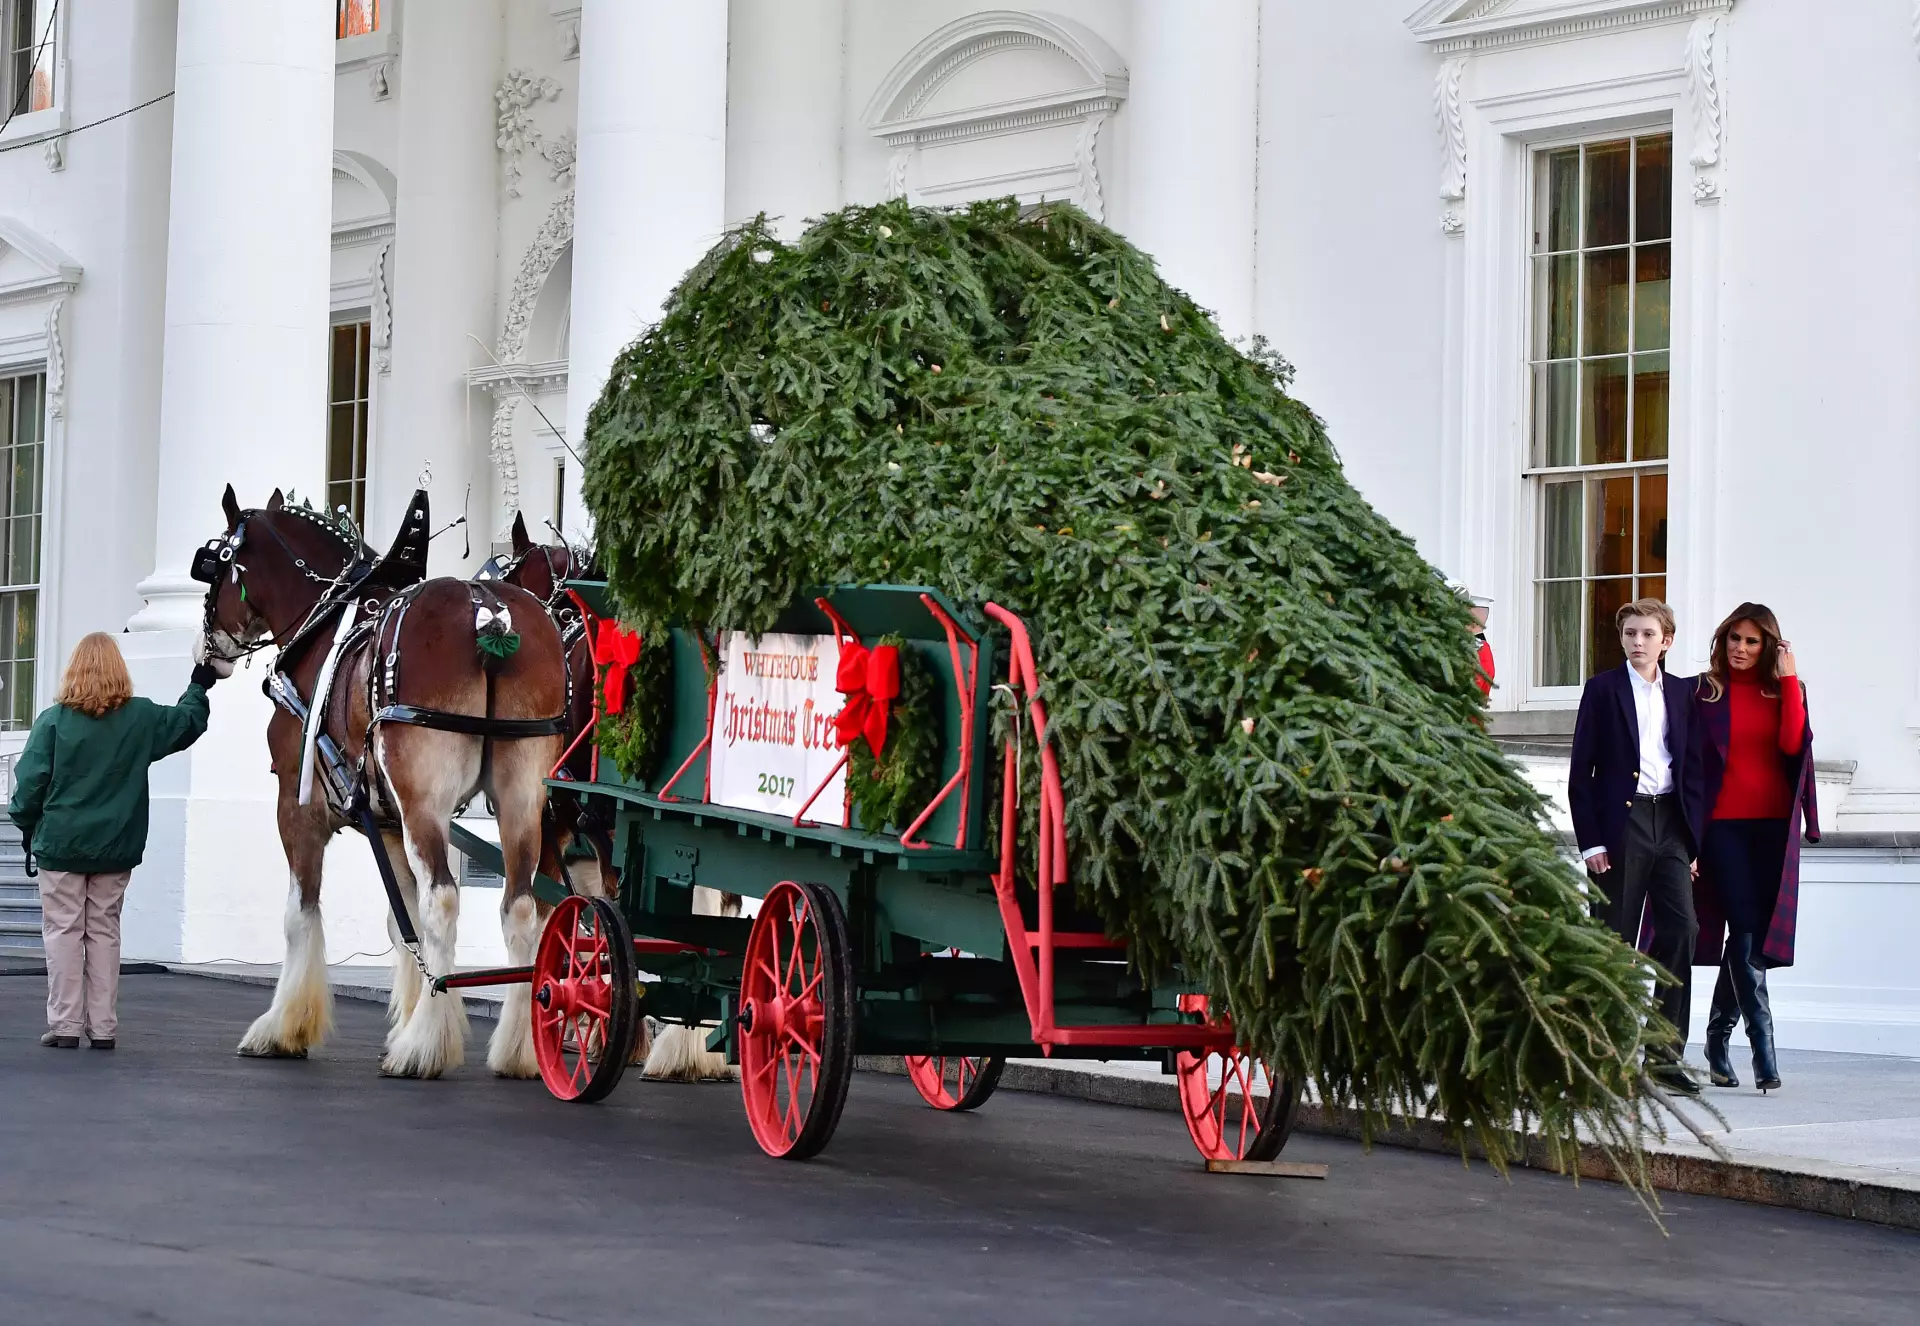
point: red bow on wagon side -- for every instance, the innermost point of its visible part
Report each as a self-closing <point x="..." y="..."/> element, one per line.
<point x="616" y="650"/>
<point x="870" y="679"/>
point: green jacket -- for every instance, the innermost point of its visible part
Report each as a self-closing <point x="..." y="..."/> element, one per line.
<point x="80" y="786"/>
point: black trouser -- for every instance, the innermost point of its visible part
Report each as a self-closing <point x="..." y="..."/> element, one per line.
<point x="1656" y="871"/>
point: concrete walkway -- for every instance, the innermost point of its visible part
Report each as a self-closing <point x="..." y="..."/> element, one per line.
<point x="1842" y="1137"/>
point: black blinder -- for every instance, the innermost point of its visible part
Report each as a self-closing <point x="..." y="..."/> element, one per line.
<point x="206" y="565"/>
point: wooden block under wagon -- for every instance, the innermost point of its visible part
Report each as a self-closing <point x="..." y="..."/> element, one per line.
<point x="1273" y="1169"/>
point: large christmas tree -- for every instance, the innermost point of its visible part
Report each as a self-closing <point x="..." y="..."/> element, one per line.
<point x="1262" y="697"/>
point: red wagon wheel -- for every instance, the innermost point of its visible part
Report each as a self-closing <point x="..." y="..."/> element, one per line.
<point x="961" y="1082"/>
<point x="1224" y="1117"/>
<point x="796" y="1020"/>
<point x="584" y="1011"/>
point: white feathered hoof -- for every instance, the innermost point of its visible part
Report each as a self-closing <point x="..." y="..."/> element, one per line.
<point x="289" y="1029"/>
<point x="643" y="1043"/>
<point x="680" y="1054"/>
<point x="433" y="1041"/>
<point x="510" y="1052"/>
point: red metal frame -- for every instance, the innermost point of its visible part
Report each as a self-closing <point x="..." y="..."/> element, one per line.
<point x="1024" y="945"/>
<point x="590" y="621"/>
<point x="841" y="631"/>
<point x="963" y="683"/>
<point x="713" y="694"/>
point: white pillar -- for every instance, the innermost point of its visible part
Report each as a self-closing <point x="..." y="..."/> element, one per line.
<point x="785" y="74"/>
<point x="1192" y="115"/>
<point x="651" y="170"/>
<point x="444" y="280"/>
<point x="244" y="379"/>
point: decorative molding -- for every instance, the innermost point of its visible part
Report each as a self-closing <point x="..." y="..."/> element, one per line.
<point x="1092" y="199"/>
<point x="558" y="153"/>
<point x="55" y="154"/>
<point x="1705" y="92"/>
<point x="380" y="78"/>
<point x="509" y="375"/>
<point x="566" y="19"/>
<point x="56" y="274"/>
<point x="515" y="96"/>
<point x="1451" y="118"/>
<point x="510" y="379"/>
<point x="1450" y="26"/>
<point x="897" y="113"/>
<point x="56" y="359"/>
<point x="348" y="237"/>
<point x="380" y="306"/>
<point x="1453" y="221"/>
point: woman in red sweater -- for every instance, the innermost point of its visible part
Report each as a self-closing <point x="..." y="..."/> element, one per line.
<point x="1759" y="765"/>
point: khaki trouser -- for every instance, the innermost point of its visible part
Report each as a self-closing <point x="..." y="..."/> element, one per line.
<point x="80" y="922"/>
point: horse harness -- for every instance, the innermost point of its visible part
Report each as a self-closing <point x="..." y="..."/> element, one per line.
<point x="367" y="603"/>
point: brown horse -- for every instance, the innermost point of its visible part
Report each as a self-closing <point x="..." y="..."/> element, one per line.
<point x="419" y="718"/>
<point x="542" y="570"/>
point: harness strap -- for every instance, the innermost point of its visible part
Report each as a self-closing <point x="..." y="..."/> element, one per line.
<point x="363" y="818"/>
<point x="472" y="725"/>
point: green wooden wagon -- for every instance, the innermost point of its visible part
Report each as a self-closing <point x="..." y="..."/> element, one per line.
<point x="926" y="941"/>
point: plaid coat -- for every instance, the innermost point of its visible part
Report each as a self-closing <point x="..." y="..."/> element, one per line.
<point x="1713" y="728"/>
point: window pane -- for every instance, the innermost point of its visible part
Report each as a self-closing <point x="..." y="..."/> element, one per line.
<point x="1653" y="185"/>
<point x="1609" y="193"/>
<point x="1650" y="397"/>
<point x="1555" y="299"/>
<point x="343" y="359"/>
<point x="1608" y="296"/>
<point x="1653" y="587"/>
<point x="1603" y="412"/>
<point x="1555" y="412"/>
<point x="1561" y="523"/>
<point x="31" y="410"/>
<point x="24" y="496"/>
<point x="340" y="442"/>
<point x="1603" y="636"/>
<point x="1652" y="287"/>
<point x="1653" y="523"/>
<point x="1613" y="526"/>
<point x="1560" y="633"/>
<point x="1556" y="220"/>
<point x="356" y="18"/>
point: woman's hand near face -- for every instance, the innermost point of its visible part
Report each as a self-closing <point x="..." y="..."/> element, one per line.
<point x="1786" y="662"/>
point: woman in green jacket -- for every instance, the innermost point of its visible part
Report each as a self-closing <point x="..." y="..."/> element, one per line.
<point x="80" y="799"/>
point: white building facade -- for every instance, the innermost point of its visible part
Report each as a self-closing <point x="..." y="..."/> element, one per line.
<point x="1597" y="298"/>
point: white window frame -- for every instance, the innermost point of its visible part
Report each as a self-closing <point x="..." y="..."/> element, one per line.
<point x="1539" y="476"/>
<point x="1490" y="518"/>
<point x="32" y="126"/>
<point x="39" y="585"/>
<point x="377" y="48"/>
<point x="361" y="315"/>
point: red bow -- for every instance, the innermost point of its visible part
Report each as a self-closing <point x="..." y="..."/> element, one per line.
<point x="870" y="679"/>
<point x="616" y="650"/>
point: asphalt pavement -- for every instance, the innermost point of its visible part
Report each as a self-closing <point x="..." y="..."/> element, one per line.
<point x="170" y="1181"/>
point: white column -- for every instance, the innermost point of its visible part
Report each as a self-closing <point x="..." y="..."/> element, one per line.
<point x="1192" y="116"/>
<point x="445" y="241"/>
<point x="785" y="75"/>
<point x="651" y="171"/>
<point x="244" y="381"/>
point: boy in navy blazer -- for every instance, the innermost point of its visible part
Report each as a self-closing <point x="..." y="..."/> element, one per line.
<point x="1636" y="790"/>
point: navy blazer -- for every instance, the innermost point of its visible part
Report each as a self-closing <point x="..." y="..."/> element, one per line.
<point x="1606" y="760"/>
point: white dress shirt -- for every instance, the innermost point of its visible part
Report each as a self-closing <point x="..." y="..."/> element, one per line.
<point x="1656" y="759"/>
<point x="1650" y="708"/>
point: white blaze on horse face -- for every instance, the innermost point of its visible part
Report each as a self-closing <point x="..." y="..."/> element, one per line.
<point x="301" y="1014"/>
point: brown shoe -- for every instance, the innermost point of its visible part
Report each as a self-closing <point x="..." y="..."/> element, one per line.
<point x="54" y="1040"/>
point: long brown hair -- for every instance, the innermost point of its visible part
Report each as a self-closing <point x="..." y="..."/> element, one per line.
<point x="96" y="680"/>
<point x="1714" y="680"/>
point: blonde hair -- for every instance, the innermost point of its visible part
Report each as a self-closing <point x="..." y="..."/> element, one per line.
<point x="1653" y="608"/>
<point x="96" y="680"/>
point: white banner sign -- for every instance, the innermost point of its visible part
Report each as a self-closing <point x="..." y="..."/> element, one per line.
<point x="773" y="737"/>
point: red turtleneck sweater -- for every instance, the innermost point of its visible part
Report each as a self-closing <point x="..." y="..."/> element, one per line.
<point x="1766" y="732"/>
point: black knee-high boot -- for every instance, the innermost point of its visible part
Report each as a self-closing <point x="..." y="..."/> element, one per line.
<point x="1750" y="988"/>
<point x="1720" y="1024"/>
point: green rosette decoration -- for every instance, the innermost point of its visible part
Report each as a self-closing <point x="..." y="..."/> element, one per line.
<point x="1262" y="697"/>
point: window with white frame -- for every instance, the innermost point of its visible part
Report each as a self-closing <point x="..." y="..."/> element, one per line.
<point x="22" y="463"/>
<point x="26" y="77"/>
<point x="349" y="398"/>
<point x="355" y="18"/>
<point x="1602" y="259"/>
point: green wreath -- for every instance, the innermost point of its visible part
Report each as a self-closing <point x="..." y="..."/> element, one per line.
<point x="890" y="788"/>
<point x="633" y="737"/>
